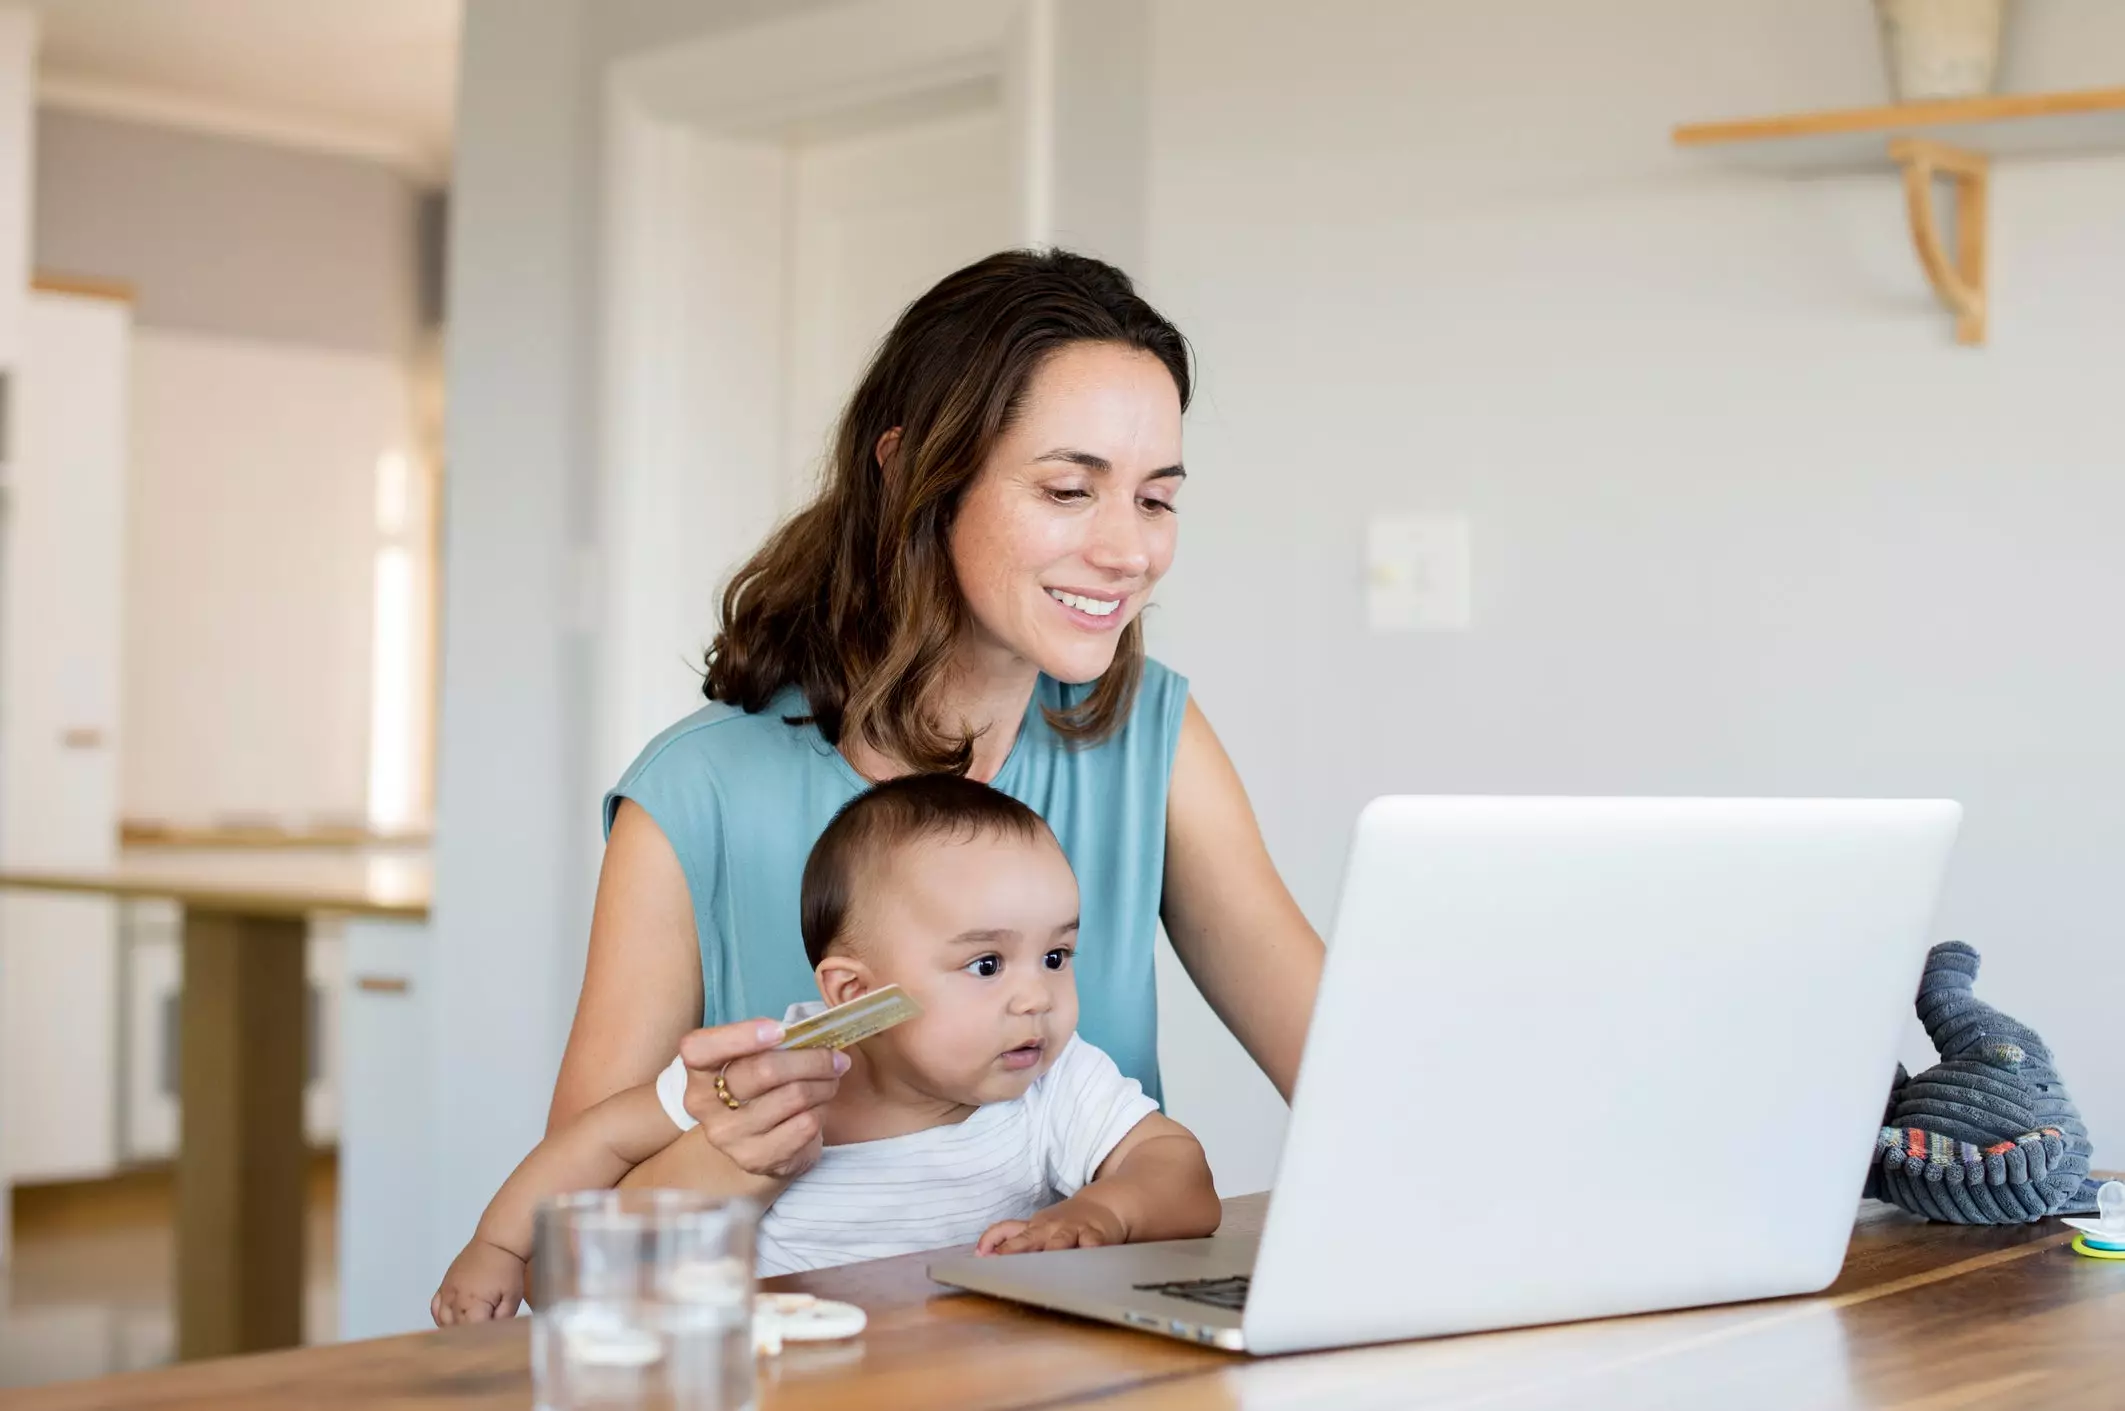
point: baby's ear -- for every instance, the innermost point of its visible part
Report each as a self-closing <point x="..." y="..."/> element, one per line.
<point x="843" y="978"/>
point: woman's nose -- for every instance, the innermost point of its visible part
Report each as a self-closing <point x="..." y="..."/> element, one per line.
<point x="1118" y="543"/>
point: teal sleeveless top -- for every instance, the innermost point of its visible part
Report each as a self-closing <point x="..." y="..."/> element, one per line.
<point x="742" y="798"/>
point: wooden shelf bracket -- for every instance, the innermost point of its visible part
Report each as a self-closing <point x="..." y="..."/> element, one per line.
<point x="1959" y="280"/>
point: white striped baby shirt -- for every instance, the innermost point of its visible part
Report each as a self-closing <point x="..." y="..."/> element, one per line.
<point x="942" y="1187"/>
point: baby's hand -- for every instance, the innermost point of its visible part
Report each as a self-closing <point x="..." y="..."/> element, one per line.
<point x="1076" y="1223"/>
<point x="485" y="1281"/>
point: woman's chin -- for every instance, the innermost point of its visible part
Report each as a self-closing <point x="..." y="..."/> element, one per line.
<point x="1078" y="665"/>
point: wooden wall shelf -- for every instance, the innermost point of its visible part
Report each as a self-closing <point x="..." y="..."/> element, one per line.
<point x="1955" y="139"/>
<point x="1999" y="125"/>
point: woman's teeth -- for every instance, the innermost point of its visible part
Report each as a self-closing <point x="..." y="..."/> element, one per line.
<point x="1097" y="607"/>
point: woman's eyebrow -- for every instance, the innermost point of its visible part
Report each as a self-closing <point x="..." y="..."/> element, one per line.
<point x="1100" y="465"/>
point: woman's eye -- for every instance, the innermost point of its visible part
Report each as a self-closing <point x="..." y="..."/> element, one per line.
<point x="1159" y="506"/>
<point x="1056" y="959"/>
<point x="986" y="966"/>
<point x="1067" y="495"/>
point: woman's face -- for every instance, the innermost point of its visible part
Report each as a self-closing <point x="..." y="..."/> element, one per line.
<point x="1070" y="523"/>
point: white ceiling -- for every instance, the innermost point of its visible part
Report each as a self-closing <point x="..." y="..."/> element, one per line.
<point x="371" y="77"/>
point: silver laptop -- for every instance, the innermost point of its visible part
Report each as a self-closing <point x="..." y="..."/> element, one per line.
<point x="1570" y="1058"/>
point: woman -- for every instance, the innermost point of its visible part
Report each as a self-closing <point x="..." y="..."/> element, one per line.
<point x="964" y="594"/>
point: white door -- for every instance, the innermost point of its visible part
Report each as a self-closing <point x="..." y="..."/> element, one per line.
<point x="876" y="217"/>
<point x="60" y="592"/>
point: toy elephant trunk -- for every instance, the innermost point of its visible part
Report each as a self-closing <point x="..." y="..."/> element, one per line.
<point x="1989" y="1134"/>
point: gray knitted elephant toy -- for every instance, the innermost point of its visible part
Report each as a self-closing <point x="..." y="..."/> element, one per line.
<point x="1987" y="1136"/>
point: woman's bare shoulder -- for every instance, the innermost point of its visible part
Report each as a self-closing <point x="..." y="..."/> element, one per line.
<point x="719" y="756"/>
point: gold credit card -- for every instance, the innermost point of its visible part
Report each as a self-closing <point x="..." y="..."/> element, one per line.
<point x="852" y="1023"/>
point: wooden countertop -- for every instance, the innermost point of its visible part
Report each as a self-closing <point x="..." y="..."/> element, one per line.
<point x="254" y="882"/>
<point x="1924" y="1318"/>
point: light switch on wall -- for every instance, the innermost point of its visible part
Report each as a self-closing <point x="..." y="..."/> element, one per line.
<point x="1417" y="573"/>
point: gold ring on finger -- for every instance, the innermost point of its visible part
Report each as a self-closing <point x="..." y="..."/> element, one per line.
<point x="723" y="1090"/>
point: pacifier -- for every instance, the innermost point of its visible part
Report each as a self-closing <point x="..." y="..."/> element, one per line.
<point x="2104" y="1236"/>
<point x="799" y="1317"/>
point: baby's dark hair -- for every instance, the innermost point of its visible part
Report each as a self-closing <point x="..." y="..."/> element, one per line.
<point x="889" y="816"/>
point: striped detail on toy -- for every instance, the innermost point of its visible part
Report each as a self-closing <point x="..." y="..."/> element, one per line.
<point x="2007" y="1183"/>
<point x="1916" y="1144"/>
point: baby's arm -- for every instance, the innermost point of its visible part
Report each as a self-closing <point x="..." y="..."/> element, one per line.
<point x="1154" y="1185"/>
<point x="592" y="1152"/>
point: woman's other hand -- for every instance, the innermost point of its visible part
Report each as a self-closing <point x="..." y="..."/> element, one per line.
<point x="774" y="1131"/>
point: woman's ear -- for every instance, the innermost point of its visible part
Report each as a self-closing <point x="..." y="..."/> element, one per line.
<point x="887" y="444"/>
<point x="843" y="978"/>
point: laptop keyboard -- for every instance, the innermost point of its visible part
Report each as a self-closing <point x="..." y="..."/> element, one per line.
<point x="1218" y="1293"/>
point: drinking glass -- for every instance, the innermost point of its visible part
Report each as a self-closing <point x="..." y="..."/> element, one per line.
<point x="644" y="1298"/>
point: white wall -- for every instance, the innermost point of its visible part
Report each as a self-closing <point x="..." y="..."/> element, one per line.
<point x="250" y="553"/>
<point x="512" y="816"/>
<point x="223" y="235"/>
<point x="1745" y="520"/>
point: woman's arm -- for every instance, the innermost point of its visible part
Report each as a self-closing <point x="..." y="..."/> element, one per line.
<point x="642" y="981"/>
<point x="1243" y="939"/>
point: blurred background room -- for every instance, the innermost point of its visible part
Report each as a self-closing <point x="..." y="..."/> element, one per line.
<point x="223" y="227"/>
<point x="1574" y="454"/>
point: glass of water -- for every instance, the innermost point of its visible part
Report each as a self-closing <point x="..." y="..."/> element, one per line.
<point x="644" y="1298"/>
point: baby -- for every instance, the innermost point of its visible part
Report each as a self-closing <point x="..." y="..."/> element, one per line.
<point x="985" y="1119"/>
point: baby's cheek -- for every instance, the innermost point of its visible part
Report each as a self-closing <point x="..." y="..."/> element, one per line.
<point x="945" y="1045"/>
<point x="1064" y="1015"/>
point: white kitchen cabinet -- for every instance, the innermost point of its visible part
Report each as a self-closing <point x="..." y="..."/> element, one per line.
<point x="390" y="1256"/>
<point x="18" y="115"/>
<point x="61" y="570"/>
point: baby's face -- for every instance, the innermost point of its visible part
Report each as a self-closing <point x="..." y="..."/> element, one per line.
<point x="983" y="933"/>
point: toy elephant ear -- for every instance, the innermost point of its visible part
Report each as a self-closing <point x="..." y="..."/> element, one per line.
<point x="1947" y="1003"/>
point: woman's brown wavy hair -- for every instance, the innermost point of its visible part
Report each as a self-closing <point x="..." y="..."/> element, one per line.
<point x="855" y="600"/>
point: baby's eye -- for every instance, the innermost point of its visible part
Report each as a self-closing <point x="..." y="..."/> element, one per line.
<point x="1056" y="959"/>
<point x="986" y="966"/>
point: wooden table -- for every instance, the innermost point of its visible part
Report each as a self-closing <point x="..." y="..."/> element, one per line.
<point x="241" y="1064"/>
<point x="1924" y="1317"/>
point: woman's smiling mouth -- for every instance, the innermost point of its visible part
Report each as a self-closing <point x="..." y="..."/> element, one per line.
<point x="1092" y="610"/>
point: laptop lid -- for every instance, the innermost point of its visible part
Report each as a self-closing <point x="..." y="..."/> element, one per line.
<point x="1581" y="1057"/>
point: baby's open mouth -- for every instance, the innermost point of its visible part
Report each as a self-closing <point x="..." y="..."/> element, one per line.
<point x="1025" y="1055"/>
